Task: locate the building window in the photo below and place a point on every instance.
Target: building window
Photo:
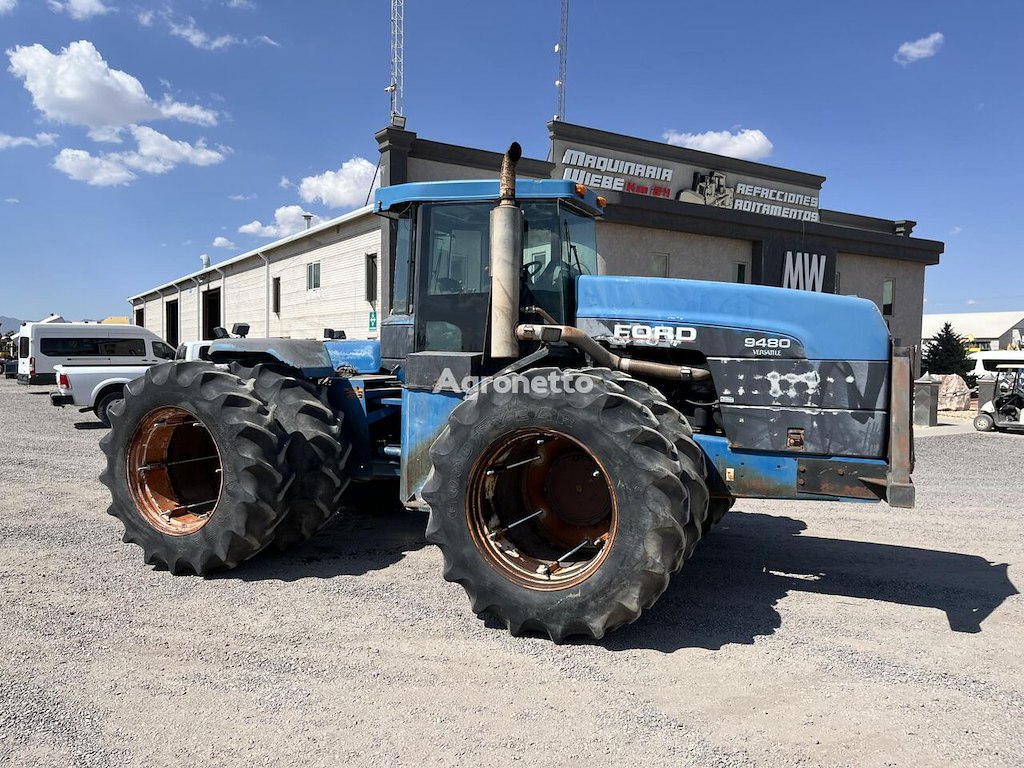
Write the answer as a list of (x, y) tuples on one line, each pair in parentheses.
[(659, 265), (276, 298), (740, 272), (371, 278), (140, 316), (888, 289), (313, 276)]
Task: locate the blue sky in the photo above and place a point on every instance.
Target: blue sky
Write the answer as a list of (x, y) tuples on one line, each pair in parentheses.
[(135, 136)]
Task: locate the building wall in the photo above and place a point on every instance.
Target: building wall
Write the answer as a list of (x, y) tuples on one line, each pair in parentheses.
[(431, 170), (864, 276), (339, 303), (647, 252)]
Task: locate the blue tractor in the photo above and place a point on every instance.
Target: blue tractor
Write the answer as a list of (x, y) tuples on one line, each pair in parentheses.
[(572, 435)]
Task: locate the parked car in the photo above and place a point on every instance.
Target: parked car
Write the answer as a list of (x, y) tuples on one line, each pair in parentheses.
[(42, 346), (97, 387)]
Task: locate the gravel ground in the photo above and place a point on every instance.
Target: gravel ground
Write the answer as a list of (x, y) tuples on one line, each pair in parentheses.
[(799, 635)]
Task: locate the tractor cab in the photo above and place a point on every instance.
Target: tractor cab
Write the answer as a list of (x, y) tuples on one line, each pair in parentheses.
[(443, 279)]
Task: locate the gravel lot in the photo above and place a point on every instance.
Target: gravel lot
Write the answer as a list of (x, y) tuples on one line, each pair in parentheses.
[(800, 634)]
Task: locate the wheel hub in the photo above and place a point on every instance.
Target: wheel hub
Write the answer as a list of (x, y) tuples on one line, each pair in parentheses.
[(174, 471), (540, 509)]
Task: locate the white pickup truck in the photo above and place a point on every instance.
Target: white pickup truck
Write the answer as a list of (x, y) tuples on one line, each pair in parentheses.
[(97, 387)]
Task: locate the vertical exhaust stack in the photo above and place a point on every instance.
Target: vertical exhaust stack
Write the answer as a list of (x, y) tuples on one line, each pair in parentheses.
[(506, 253)]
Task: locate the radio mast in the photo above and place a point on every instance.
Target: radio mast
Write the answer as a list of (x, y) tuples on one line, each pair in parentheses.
[(397, 86), (562, 49)]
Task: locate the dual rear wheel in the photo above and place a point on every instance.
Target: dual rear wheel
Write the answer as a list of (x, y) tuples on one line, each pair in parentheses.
[(208, 467)]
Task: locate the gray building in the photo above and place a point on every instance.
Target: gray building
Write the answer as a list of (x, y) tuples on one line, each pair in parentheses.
[(672, 212)]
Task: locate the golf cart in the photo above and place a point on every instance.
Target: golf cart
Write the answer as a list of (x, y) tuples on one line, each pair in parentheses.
[(1006, 408)]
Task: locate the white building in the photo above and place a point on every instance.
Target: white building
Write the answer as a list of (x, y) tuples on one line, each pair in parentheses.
[(984, 331)]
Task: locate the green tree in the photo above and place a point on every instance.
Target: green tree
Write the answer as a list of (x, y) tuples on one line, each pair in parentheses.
[(947, 353)]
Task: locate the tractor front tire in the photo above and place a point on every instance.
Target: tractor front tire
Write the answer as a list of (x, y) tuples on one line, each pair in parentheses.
[(677, 430), (316, 451), (196, 468), (555, 503)]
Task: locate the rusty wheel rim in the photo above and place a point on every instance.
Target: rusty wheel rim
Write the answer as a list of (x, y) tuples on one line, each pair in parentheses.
[(174, 471), (541, 509)]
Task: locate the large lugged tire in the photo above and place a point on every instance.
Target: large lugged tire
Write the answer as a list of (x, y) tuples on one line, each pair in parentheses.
[(555, 506), (196, 468), (677, 430), (316, 452)]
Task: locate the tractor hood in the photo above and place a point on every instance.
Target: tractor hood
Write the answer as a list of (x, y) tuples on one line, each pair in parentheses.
[(826, 326)]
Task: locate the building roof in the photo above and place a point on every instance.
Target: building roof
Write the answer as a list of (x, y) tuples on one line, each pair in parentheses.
[(979, 325), (365, 210)]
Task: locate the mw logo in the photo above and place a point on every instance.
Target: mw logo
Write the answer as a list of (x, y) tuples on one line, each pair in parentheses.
[(804, 271), (654, 334)]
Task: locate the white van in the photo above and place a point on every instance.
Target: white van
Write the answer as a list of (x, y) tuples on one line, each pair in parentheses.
[(986, 363), (44, 345)]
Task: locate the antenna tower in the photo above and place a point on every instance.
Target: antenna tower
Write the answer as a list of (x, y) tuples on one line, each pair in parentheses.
[(562, 49), (397, 86)]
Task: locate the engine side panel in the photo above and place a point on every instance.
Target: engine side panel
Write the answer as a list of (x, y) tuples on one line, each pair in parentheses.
[(794, 372)]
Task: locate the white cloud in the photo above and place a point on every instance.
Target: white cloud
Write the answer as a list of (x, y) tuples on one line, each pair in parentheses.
[(971, 302), (956, 230), (915, 50), (246, 4), (146, 18), (187, 113), (6, 6), (96, 171), (287, 221), (79, 9), (266, 41), (155, 153), (40, 140), (158, 153), (108, 134), (13, 200), (346, 187), (745, 144), (196, 37), (284, 183), (223, 242), (77, 86), (242, 198)]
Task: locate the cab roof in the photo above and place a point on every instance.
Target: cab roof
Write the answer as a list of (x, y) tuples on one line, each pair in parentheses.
[(388, 198)]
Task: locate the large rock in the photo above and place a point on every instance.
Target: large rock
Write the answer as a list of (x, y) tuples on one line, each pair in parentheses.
[(954, 394)]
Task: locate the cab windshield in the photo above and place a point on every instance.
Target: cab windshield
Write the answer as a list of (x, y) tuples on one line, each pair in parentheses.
[(454, 279)]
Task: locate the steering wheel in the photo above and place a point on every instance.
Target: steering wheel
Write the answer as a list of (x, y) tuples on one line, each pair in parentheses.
[(532, 268)]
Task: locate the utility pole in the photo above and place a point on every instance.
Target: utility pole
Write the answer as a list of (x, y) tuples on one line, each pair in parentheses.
[(562, 49), (397, 86)]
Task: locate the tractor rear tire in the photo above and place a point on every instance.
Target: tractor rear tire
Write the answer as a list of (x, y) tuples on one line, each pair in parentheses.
[(316, 452), (196, 468), (556, 507), (677, 430)]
